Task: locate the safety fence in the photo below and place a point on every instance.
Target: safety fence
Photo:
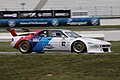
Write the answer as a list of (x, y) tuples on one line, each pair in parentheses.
[(103, 11)]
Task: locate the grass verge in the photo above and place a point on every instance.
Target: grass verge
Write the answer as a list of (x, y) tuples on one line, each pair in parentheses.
[(6, 47), (61, 67)]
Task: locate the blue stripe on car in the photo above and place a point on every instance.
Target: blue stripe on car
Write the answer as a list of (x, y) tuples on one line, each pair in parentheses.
[(39, 46)]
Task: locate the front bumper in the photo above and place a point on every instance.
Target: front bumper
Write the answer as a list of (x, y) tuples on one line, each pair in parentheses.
[(99, 48)]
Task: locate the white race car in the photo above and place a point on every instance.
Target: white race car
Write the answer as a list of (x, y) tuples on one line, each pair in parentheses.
[(57, 39)]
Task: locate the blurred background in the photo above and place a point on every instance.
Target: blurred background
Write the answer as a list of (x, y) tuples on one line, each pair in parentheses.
[(103, 8)]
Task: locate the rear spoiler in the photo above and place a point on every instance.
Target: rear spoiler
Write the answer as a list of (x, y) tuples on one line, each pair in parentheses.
[(13, 31)]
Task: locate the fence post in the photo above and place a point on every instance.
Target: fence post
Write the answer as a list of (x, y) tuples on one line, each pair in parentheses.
[(111, 10), (95, 10), (6, 9), (80, 8)]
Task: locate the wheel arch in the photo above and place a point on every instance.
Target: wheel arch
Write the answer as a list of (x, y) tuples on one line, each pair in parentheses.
[(22, 41), (29, 49), (84, 42)]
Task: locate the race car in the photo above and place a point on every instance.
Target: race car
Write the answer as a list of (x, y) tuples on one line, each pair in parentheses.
[(56, 40)]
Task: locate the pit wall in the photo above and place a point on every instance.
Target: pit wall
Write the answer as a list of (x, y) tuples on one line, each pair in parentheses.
[(110, 22)]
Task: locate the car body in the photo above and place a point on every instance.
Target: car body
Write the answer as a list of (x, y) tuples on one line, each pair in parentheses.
[(57, 40)]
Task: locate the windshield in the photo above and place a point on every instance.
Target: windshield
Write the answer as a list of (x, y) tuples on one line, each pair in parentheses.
[(73, 34)]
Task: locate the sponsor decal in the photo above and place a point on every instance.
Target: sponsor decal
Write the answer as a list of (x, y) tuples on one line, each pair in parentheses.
[(10, 15), (94, 21), (62, 14), (39, 14), (33, 23), (11, 23), (71, 22), (55, 22), (25, 15), (36, 39), (49, 46), (94, 46), (44, 14)]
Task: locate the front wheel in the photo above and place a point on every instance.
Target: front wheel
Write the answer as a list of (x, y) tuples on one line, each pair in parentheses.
[(24, 47), (79, 47)]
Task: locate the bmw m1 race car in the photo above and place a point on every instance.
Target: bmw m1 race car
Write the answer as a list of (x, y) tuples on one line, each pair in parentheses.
[(57, 39)]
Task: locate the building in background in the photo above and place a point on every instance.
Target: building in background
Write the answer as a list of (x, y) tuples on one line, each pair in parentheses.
[(10, 5), (103, 8)]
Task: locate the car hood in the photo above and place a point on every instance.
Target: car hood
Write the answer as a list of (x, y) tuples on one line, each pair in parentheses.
[(96, 41)]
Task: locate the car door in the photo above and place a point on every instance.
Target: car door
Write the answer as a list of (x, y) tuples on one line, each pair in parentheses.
[(40, 40), (59, 41)]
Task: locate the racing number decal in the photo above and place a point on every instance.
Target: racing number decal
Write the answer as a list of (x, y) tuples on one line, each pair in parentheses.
[(63, 43)]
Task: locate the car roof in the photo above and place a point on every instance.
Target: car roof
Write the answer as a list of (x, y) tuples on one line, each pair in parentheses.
[(59, 29), (63, 30)]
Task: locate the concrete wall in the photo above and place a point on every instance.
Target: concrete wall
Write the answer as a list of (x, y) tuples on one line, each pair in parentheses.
[(112, 36), (110, 22)]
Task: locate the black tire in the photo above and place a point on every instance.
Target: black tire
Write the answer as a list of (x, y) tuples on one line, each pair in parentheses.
[(78, 47), (24, 47)]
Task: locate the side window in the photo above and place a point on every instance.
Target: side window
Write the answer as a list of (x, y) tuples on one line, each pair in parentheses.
[(56, 33), (43, 33)]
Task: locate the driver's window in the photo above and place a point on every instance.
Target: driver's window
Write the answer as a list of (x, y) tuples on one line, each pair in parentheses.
[(56, 33), (43, 33)]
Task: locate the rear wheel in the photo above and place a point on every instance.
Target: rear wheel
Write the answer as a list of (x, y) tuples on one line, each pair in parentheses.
[(78, 47), (24, 47)]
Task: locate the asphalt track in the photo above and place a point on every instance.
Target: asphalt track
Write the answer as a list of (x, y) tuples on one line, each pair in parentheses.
[(48, 53), (54, 53), (10, 53)]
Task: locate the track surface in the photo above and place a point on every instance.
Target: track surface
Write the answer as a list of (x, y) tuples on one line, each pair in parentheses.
[(51, 53)]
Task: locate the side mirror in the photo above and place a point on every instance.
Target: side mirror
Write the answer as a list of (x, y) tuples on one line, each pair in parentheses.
[(63, 36)]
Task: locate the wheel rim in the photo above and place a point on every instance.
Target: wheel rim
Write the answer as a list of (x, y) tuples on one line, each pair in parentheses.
[(24, 47), (78, 47)]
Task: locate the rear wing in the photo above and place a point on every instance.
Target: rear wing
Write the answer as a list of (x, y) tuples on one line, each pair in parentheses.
[(13, 31)]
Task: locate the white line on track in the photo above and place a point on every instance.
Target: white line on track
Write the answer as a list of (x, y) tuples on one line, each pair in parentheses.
[(10, 53)]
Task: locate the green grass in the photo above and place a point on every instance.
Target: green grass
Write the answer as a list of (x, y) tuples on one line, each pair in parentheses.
[(61, 66), (6, 47), (116, 47)]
